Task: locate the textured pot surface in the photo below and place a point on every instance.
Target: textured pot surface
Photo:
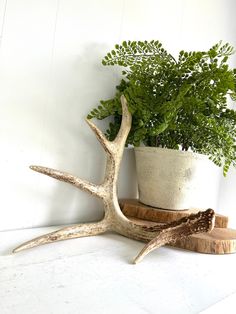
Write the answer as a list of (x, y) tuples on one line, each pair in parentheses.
[(177, 180)]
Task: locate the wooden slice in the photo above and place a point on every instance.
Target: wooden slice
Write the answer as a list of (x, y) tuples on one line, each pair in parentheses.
[(133, 208), (218, 241)]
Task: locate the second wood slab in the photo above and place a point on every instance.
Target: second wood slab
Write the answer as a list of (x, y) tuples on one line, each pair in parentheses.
[(133, 208), (221, 240)]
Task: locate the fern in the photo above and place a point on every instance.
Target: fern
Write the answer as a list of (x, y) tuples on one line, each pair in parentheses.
[(175, 103)]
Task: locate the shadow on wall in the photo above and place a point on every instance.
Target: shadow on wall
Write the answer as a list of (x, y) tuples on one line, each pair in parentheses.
[(77, 85)]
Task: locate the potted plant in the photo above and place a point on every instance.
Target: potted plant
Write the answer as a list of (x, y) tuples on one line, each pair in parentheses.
[(180, 119)]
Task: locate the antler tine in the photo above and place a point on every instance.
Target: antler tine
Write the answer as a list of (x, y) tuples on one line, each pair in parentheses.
[(107, 145), (112, 146), (71, 232), (177, 230), (89, 187), (115, 148), (125, 123)]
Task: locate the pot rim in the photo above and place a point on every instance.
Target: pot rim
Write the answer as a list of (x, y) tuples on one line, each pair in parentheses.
[(152, 149)]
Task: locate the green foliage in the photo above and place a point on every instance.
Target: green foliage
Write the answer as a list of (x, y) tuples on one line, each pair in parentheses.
[(178, 104)]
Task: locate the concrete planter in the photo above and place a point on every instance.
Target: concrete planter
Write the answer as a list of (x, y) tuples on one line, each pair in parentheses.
[(177, 180)]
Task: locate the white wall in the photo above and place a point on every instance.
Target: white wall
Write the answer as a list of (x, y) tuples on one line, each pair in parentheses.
[(51, 76)]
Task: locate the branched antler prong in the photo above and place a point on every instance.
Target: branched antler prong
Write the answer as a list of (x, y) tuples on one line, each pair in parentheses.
[(71, 232), (106, 144), (89, 187), (177, 230), (114, 219), (125, 123)]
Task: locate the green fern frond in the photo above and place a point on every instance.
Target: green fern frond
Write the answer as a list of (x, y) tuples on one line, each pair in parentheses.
[(178, 104)]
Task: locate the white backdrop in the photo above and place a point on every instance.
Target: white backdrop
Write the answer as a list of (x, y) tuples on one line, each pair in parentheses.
[(51, 76)]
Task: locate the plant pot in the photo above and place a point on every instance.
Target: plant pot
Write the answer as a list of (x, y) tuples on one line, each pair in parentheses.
[(177, 180)]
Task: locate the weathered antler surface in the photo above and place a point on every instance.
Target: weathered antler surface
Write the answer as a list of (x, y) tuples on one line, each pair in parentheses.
[(177, 230), (114, 220)]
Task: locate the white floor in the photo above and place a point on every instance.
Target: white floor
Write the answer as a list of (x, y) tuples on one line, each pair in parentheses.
[(95, 275)]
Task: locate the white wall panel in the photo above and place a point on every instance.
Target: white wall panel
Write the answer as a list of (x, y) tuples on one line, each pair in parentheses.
[(227, 195)]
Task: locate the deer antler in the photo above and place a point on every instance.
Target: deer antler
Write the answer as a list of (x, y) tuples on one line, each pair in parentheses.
[(114, 220)]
